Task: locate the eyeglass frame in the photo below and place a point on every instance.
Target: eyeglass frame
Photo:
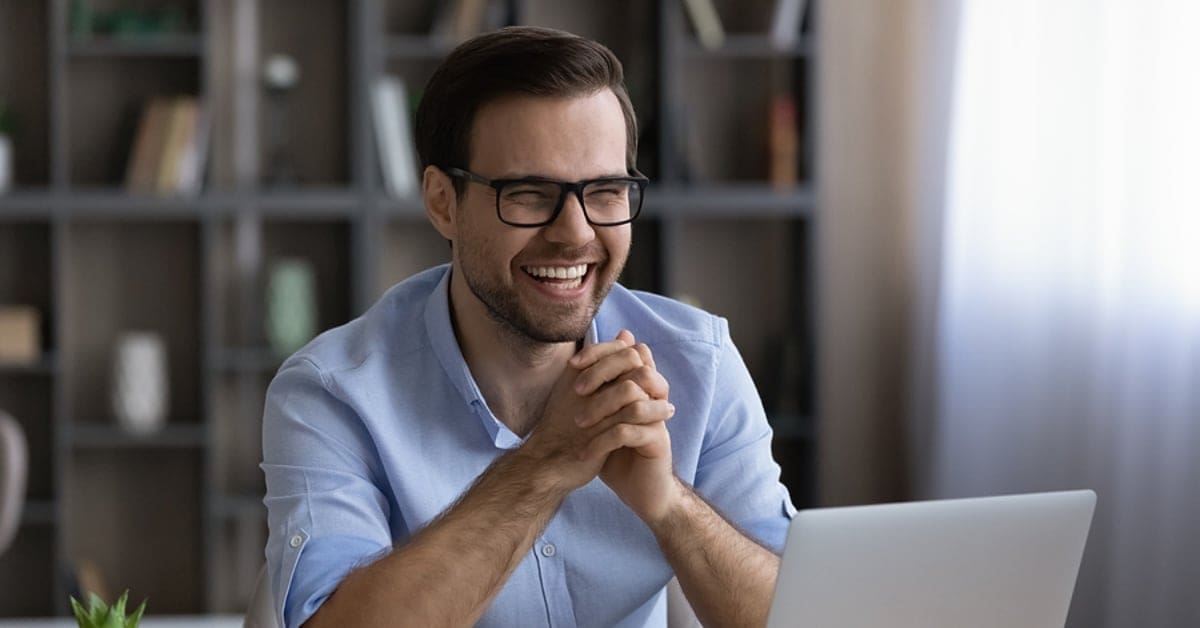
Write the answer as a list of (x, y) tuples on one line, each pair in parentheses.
[(564, 187)]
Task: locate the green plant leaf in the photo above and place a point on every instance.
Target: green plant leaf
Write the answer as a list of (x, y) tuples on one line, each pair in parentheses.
[(97, 610), (118, 609), (81, 614), (99, 615), (136, 617), (113, 620)]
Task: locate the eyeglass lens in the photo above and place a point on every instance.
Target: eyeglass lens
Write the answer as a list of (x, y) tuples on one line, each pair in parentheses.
[(533, 202)]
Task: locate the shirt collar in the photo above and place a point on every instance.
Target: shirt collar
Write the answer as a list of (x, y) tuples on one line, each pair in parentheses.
[(445, 346)]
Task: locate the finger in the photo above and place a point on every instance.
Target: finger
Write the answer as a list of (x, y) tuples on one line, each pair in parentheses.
[(647, 356), (621, 435), (637, 413), (610, 400), (610, 368), (591, 353), (650, 380)]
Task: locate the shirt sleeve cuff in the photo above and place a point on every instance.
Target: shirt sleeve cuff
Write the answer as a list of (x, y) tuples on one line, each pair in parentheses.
[(320, 568)]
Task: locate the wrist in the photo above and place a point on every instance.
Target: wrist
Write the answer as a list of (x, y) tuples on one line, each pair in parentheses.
[(671, 507), (535, 472)]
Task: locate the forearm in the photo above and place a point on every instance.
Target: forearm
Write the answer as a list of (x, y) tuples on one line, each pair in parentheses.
[(449, 572), (728, 578)]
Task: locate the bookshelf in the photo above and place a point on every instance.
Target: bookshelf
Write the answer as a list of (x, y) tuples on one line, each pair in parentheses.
[(177, 515)]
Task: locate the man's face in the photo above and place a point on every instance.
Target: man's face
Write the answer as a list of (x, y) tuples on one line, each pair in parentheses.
[(509, 269)]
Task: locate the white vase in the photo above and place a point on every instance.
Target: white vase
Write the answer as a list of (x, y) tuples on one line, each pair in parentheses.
[(139, 385), (6, 163)]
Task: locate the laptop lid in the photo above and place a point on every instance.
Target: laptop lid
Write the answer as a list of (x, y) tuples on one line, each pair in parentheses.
[(991, 562)]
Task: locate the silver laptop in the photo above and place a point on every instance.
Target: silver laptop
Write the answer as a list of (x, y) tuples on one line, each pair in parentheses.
[(991, 562)]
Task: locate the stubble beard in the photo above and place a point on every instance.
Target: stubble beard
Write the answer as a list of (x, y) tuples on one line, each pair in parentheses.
[(544, 325)]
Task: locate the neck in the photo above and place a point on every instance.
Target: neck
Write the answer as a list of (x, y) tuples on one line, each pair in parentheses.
[(514, 372)]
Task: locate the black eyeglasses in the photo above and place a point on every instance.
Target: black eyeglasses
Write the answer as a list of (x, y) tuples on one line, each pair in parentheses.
[(535, 202)]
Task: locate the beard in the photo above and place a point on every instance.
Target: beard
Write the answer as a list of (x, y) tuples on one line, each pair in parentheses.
[(564, 322)]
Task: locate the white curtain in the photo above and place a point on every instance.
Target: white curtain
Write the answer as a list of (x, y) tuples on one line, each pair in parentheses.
[(1067, 345)]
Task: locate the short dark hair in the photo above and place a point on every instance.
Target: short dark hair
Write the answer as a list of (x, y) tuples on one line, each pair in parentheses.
[(513, 60)]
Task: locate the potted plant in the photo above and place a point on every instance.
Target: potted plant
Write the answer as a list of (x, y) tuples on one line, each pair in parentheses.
[(98, 615)]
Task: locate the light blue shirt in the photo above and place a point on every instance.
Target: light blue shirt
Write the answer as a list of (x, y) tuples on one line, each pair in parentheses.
[(377, 426)]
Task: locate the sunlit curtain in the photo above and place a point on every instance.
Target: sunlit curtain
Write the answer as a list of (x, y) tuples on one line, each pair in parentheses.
[(1068, 322)]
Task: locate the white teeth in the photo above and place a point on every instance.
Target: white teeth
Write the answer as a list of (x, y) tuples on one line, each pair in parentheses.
[(558, 272)]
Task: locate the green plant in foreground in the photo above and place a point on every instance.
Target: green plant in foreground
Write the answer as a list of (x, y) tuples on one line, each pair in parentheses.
[(97, 615)]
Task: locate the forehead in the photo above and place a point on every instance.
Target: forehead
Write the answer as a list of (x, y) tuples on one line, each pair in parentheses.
[(562, 137)]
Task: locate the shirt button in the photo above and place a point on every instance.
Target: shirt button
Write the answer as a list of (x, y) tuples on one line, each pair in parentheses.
[(295, 541), (548, 550)]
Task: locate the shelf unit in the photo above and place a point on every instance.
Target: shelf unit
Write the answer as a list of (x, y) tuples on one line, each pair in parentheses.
[(177, 515)]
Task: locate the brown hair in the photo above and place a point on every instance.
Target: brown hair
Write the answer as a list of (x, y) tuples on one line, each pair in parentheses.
[(513, 60)]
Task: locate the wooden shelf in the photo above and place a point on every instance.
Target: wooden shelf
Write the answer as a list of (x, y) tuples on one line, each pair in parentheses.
[(164, 46), (749, 46), (105, 436), (116, 203), (749, 200), (412, 207), (47, 365), (321, 202), (21, 203)]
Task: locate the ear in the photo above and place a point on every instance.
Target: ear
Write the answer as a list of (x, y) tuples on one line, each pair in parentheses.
[(441, 202)]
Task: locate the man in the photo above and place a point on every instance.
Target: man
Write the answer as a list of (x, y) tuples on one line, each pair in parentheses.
[(512, 440)]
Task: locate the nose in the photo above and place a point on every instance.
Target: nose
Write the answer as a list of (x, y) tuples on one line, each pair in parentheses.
[(570, 227)]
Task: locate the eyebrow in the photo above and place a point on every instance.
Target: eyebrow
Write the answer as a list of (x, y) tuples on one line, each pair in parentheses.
[(518, 177)]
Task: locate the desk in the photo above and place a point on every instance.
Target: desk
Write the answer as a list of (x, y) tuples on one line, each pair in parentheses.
[(194, 621)]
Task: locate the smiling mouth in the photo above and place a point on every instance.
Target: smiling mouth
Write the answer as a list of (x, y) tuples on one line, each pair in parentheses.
[(562, 277)]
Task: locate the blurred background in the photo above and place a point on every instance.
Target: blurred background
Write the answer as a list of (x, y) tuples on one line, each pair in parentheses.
[(955, 241)]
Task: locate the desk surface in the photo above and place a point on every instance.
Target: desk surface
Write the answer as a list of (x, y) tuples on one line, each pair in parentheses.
[(199, 621)]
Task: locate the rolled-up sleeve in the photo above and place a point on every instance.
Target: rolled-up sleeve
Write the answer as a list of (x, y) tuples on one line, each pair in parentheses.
[(736, 471), (327, 510)]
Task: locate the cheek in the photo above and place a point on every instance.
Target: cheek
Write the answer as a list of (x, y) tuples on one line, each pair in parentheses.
[(491, 252), (617, 243)]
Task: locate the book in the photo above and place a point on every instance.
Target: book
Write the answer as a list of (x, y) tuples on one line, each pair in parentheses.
[(179, 134), (393, 132), (142, 168), (707, 22), (786, 23), (191, 166), (169, 147), (460, 20), (783, 150), (20, 333)]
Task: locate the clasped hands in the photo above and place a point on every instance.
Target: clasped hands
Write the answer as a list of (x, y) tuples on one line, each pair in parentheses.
[(607, 416)]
